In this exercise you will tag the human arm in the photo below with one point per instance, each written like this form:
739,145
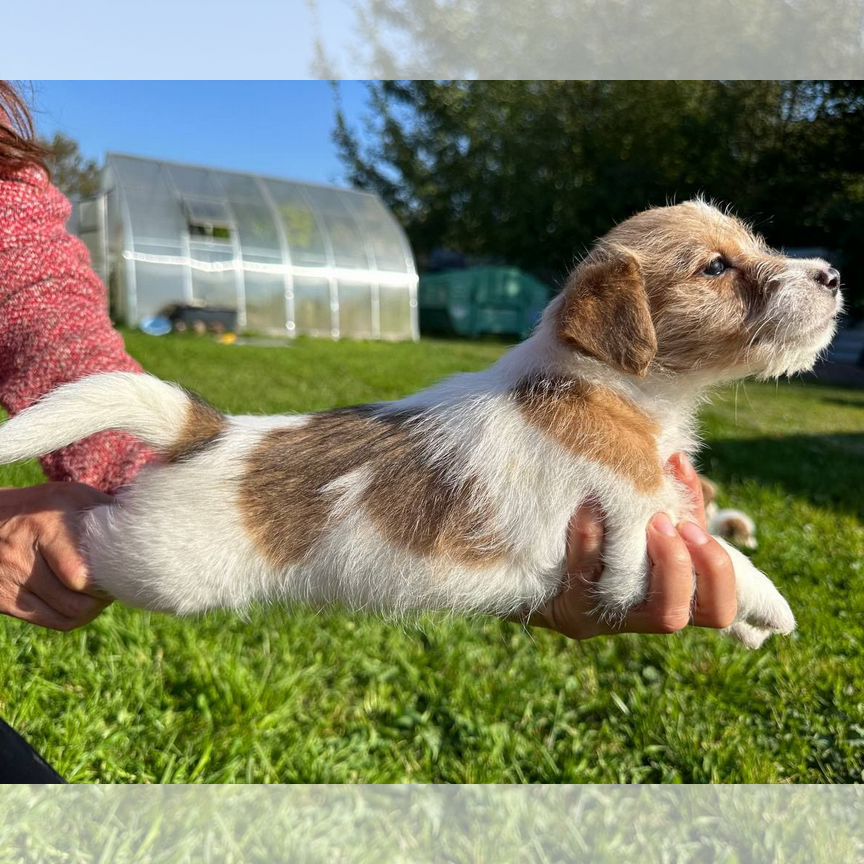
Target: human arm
54,324
54,328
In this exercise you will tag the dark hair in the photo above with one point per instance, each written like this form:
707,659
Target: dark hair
19,146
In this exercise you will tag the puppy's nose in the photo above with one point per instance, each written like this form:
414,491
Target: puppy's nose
829,278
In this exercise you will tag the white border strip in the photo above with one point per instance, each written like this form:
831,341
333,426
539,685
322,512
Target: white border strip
419,824
345,274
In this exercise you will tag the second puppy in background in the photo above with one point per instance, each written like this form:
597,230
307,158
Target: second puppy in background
732,525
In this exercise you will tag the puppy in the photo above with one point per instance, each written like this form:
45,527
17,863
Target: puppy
459,497
732,525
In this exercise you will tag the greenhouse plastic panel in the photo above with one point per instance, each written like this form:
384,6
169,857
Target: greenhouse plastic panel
291,257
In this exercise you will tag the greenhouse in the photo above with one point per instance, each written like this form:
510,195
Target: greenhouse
291,258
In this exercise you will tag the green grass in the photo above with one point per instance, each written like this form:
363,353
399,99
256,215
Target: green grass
295,696
477,824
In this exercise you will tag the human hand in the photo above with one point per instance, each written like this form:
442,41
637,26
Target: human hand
43,578
675,555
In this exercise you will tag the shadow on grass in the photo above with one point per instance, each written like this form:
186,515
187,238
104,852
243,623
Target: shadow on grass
826,470
846,403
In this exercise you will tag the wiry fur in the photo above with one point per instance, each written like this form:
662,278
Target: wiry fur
458,497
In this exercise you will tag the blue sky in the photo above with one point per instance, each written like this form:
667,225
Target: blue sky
281,128
171,38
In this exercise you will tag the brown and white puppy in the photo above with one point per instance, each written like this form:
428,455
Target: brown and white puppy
459,497
732,525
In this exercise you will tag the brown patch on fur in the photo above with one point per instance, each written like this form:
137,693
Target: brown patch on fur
596,423
605,314
735,530
414,504
203,426
709,490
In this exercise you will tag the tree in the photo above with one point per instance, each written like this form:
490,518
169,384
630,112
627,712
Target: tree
650,39
76,176
532,172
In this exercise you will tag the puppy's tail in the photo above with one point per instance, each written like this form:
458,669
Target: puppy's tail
165,416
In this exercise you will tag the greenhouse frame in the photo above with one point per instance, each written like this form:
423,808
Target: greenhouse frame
292,258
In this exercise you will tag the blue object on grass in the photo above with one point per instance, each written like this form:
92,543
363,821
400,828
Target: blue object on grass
158,325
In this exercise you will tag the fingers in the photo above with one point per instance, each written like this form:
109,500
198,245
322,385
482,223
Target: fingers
670,586
90,497
49,497
61,553
28,607
675,557
32,609
585,542
684,471
716,602
80,608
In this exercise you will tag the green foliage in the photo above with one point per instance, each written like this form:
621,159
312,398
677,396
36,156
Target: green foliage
75,176
670,824
575,39
301,695
531,172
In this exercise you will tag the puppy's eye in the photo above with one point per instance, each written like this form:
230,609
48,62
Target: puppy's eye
716,268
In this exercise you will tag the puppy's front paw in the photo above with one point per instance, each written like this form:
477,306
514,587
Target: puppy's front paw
762,609
748,635
767,609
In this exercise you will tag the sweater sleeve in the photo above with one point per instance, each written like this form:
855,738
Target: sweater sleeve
54,325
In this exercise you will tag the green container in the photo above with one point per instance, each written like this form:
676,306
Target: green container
481,301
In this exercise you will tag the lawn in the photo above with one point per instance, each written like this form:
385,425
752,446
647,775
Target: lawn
295,696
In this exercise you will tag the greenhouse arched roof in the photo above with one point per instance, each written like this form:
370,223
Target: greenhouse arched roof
288,255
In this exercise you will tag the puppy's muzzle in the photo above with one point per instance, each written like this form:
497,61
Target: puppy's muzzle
829,278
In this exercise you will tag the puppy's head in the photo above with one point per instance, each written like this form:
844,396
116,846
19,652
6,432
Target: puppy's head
690,288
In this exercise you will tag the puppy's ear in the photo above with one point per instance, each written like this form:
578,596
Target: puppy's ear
605,313
709,490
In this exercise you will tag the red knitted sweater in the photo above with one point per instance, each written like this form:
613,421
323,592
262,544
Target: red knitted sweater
54,324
